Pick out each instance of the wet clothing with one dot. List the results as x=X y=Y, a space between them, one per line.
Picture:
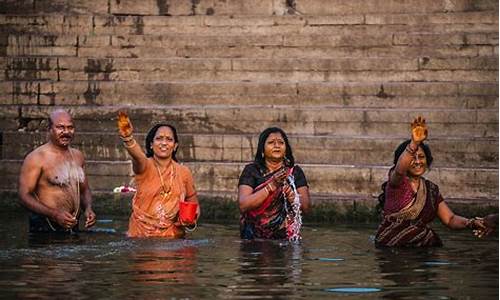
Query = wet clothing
x=41 y=224
x=155 y=206
x=407 y=214
x=269 y=221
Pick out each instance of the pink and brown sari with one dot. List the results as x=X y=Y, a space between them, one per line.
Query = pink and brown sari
x=407 y=214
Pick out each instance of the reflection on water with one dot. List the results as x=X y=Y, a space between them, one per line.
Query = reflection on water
x=268 y=269
x=331 y=262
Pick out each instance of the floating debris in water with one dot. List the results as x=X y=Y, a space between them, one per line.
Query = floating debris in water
x=438 y=263
x=102 y=230
x=330 y=259
x=104 y=221
x=353 y=290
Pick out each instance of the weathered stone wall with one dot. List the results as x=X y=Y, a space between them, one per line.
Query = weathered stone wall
x=342 y=78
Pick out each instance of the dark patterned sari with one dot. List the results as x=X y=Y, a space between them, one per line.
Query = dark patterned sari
x=269 y=220
x=408 y=226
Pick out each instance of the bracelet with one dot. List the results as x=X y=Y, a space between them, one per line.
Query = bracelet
x=129 y=146
x=470 y=222
x=126 y=138
x=266 y=188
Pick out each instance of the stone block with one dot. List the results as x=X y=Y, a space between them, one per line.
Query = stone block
x=320 y=7
x=337 y=40
x=109 y=168
x=340 y=64
x=221 y=7
x=478 y=89
x=475 y=63
x=89 y=41
x=471 y=17
x=480 y=102
x=334 y=20
x=177 y=8
x=172 y=21
x=131 y=7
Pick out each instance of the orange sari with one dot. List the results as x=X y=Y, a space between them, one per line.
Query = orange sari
x=154 y=212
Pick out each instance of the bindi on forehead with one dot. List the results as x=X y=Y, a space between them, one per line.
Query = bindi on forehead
x=275 y=136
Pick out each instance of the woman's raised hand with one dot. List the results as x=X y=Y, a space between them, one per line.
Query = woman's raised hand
x=125 y=128
x=418 y=130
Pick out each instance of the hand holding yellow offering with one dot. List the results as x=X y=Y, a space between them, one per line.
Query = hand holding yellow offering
x=418 y=130
x=124 y=125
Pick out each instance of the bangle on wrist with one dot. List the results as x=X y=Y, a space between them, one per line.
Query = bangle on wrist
x=266 y=188
x=126 y=138
x=470 y=223
x=126 y=145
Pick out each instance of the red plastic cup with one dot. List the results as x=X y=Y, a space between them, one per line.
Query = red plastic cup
x=188 y=212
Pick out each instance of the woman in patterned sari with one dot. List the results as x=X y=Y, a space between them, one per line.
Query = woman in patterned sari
x=265 y=192
x=410 y=202
x=162 y=183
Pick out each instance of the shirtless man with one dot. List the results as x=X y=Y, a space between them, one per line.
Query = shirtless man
x=52 y=182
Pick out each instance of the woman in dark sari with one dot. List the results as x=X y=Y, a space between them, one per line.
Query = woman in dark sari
x=269 y=187
x=410 y=202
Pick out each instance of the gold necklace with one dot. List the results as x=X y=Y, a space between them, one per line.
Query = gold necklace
x=164 y=193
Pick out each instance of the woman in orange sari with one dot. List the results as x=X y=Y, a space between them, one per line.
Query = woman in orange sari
x=162 y=183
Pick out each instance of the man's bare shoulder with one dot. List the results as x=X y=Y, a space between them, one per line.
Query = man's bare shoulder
x=77 y=154
x=38 y=154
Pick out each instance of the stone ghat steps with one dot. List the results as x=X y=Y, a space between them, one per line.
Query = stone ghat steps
x=242 y=7
x=463 y=152
x=121 y=32
x=438 y=40
x=429 y=69
x=374 y=94
x=245 y=119
x=481 y=45
x=364 y=181
x=388 y=35
x=105 y=24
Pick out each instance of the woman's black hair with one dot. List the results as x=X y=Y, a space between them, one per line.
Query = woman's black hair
x=259 y=155
x=151 y=135
x=397 y=153
x=401 y=148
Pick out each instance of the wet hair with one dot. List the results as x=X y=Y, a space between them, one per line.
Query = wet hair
x=151 y=135
x=401 y=148
x=50 y=122
x=259 y=155
x=397 y=153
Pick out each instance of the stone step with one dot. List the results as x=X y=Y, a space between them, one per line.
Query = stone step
x=80 y=69
x=315 y=120
x=200 y=25
x=256 y=51
x=479 y=75
x=124 y=38
x=364 y=181
x=242 y=7
x=397 y=94
x=307 y=149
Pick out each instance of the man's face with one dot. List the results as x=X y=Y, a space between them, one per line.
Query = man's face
x=62 y=130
